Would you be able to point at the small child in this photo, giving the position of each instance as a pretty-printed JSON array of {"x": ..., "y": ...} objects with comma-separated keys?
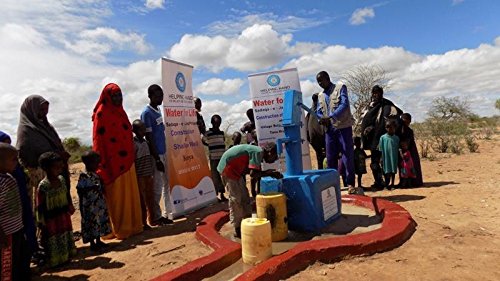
[
  {"x": 145, "y": 173},
  {"x": 249, "y": 126},
  {"x": 407, "y": 171},
  {"x": 93, "y": 209},
  {"x": 389, "y": 147},
  {"x": 53, "y": 211},
  {"x": 214, "y": 139},
  {"x": 254, "y": 140},
  {"x": 359, "y": 160},
  {"x": 14, "y": 251},
  {"x": 236, "y": 138}
]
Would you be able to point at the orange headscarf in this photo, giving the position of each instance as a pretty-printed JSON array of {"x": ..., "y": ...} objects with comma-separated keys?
[{"x": 112, "y": 136}]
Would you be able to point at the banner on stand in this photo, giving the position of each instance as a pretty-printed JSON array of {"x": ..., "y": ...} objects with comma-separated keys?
[
  {"x": 266, "y": 91},
  {"x": 191, "y": 186}
]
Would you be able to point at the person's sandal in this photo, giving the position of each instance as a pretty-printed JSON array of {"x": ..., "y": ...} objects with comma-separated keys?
[{"x": 351, "y": 190}]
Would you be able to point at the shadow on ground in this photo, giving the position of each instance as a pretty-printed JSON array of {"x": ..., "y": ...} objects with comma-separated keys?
[
  {"x": 401, "y": 198},
  {"x": 88, "y": 260},
  {"x": 439, "y": 183}
]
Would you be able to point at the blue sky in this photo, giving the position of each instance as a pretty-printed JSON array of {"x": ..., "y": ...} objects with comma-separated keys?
[{"x": 69, "y": 51}]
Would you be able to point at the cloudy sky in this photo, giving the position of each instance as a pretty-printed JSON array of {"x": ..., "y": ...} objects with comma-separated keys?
[{"x": 68, "y": 50}]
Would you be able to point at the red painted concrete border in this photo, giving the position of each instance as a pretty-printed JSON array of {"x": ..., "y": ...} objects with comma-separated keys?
[
  {"x": 226, "y": 252},
  {"x": 397, "y": 227}
]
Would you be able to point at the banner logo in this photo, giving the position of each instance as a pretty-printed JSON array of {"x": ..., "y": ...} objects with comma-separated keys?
[
  {"x": 273, "y": 80},
  {"x": 180, "y": 82}
]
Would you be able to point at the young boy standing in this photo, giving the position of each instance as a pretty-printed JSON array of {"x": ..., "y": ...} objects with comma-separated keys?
[
  {"x": 14, "y": 256},
  {"x": 145, "y": 171},
  {"x": 215, "y": 140},
  {"x": 155, "y": 134}
]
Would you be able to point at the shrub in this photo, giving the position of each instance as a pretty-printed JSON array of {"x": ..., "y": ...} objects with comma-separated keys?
[
  {"x": 472, "y": 145},
  {"x": 75, "y": 148}
]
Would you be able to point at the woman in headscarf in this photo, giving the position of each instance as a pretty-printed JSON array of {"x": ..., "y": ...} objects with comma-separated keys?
[
  {"x": 373, "y": 127},
  {"x": 112, "y": 138},
  {"x": 35, "y": 136}
]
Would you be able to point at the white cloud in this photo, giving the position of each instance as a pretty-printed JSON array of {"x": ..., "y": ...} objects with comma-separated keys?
[
  {"x": 155, "y": 4},
  {"x": 74, "y": 24},
  {"x": 309, "y": 87},
  {"x": 202, "y": 51},
  {"x": 35, "y": 61},
  {"x": 456, "y": 2},
  {"x": 96, "y": 43},
  {"x": 71, "y": 83},
  {"x": 416, "y": 79},
  {"x": 282, "y": 24},
  {"x": 304, "y": 48},
  {"x": 257, "y": 47},
  {"x": 359, "y": 16},
  {"x": 216, "y": 86},
  {"x": 336, "y": 59},
  {"x": 57, "y": 19},
  {"x": 233, "y": 115}
]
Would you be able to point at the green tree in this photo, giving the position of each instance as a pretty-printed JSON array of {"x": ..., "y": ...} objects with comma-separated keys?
[{"x": 497, "y": 104}]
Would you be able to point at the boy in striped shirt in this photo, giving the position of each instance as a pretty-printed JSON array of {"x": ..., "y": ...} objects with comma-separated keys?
[
  {"x": 14, "y": 252},
  {"x": 215, "y": 140}
]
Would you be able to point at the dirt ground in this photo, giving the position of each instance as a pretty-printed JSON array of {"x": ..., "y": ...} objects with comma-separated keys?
[{"x": 457, "y": 236}]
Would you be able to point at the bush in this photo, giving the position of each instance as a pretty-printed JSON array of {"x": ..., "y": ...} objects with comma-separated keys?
[
  {"x": 472, "y": 145},
  {"x": 486, "y": 133},
  {"x": 75, "y": 148},
  {"x": 441, "y": 135},
  {"x": 71, "y": 144},
  {"x": 446, "y": 135},
  {"x": 422, "y": 138}
]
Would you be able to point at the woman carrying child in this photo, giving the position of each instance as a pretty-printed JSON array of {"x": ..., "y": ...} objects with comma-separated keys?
[
  {"x": 407, "y": 133},
  {"x": 389, "y": 147},
  {"x": 95, "y": 219},
  {"x": 53, "y": 211}
]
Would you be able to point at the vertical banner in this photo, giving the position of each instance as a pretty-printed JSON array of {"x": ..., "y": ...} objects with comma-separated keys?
[
  {"x": 266, "y": 91},
  {"x": 191, "y": 186}
]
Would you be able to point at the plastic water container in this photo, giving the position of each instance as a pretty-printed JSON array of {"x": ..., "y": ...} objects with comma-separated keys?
[
  {"x": 272, "y": 206},
  {"x": 256, "y": 242}
]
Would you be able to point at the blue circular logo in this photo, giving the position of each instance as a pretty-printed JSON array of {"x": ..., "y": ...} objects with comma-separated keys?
[
  {"x": 273, "y": 80},
  {"x": 180, "y": 82}
]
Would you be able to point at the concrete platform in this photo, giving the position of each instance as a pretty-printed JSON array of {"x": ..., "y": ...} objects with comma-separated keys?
[
  {"x": 354, "y": 220},
  {"x": 383, "y": 225}
]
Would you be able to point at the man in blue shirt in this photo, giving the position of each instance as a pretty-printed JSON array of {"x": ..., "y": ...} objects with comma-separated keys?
[
  {"x": 155, "y": 134},
  {"x": 334, "y": 113}
]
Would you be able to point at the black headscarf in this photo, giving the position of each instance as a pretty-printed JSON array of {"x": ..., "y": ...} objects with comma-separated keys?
[
  {"x": 34, "y": 135},
  {"x": 376, "y": 116}
]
